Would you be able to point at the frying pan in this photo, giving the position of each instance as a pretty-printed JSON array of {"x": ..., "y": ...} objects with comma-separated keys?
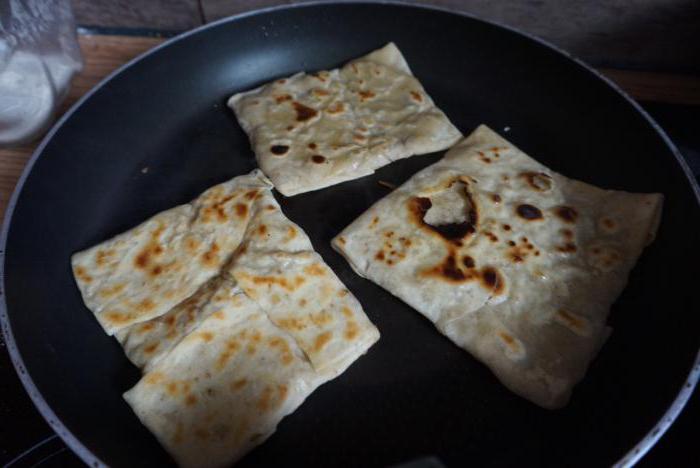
[{"x": 415, "y": 393}]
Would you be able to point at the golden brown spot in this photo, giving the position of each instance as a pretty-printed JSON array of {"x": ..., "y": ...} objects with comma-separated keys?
[
  {"x": 290, "y": 128},
  {"x": 210, "y": 257},
  {"x": 142, "y": 259},
  {"x": 170, "y": 320},
  {"x": 569, "y": 247},
  {"x": 272, "y": 280},
  {"x": 219, "y": 314},
  {"x": 304, "y": 113},
  {"x": 283, "y": 98},
  {"x": 146, "y": 305},
  {"x": 285, "y": 352},
  {"x": 511, "y": 343},
  {"x": 102, "y": 257},
  {"x": 318, "y": 159},
  {"x": 282, "y": 81},
  {"x": 380, "y": 255},
  {"x": 365, "y": 95},
  {"x": 270, "y": 208},
  {"x": 232, "y": 346},
  {"x": 566, "y": 214},
  {"x": 112, "y": 291},
  {"x": 507, "y": 338},
  {"x": 312, "y": 146},
  {"x": 191, "y": 244},
  {"x": 321, "y": 340},
  {"x": 262, "y": 229},
  {"x": 279, "y": 150},
  {"x": 155, "y": 235},
  {"x": 483, "y": 157},
  {"x": 315, "y": 269},
  {"x": 351, "y": 330},
  {"x": 320, "y": 92},
  {"x": 539, "y": 181},
  {"x": 449, "y": 271},
  {"x": 282, "y": 392},
  {"x": 578, "y": 324},
  {"x": 206, "y": 336},
  {"x": 506, "y": 227},
  {"x": 298, "y": 280},
  {"x": 82, "y": 274},
  {"x": 251, "y": 194},
  {"x": 154, "y": 378},
  {"x": 529, "y": 212},
  {"x": 265, "y": 401},
  {"x": 416, "y": 96},
  {"x": 335, "y": 108},
  {"x": 320, "y": 319},
  {"x": 241, "y": 210},
  {"x": 157, "y": 270},
  {"x": 238, "y": 384},
  {"x": 190, "y": 400},
  {"x": 151, "y": 348},
  {"x": 172, "y": 388},
  {"x": 292, "y": 323},
  {"x": 492, "y": 279},
  {"x": 146, "y": 327}
]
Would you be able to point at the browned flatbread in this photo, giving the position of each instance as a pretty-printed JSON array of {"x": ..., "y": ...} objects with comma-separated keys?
[{"x": 513, "y": 262}]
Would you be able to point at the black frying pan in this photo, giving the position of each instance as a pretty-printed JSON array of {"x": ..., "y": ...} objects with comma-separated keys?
[{"x": 415, "y": 393}]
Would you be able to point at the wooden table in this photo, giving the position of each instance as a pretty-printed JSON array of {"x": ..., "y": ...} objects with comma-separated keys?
[{"x": 103, "y": 54}]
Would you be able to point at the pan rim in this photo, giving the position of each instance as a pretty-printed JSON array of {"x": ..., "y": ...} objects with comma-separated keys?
[{"x": 630, "y": 458}]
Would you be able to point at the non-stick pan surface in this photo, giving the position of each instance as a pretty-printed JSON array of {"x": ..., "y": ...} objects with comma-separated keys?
[{"x": 415, "y": 393}]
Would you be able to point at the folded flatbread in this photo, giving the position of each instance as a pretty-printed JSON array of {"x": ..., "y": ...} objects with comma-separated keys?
[
  {"x": 276, "y": 266},
  {"x": 310, "y": 131},
  {"x": 151, "y": 268},
  {"x": 224, "y": 388},
  {"x": 513, "y": 262},
  {"x": 227, "y": 362}
]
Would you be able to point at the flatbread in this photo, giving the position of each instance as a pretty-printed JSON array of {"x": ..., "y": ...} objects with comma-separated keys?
[
  {"x": 224, "y": 364},
  {"x": 146, "y": 271},
  {"x": 145, "y": 343},
  {"x": 224, "y": 388},
  {"x": 513, "y": 262},
  {"x": 311, "y": 131},
  {"x": 278, "y": 268}
]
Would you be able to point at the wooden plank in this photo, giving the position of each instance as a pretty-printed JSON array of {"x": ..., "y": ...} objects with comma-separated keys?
[
  {"x": 176, "y": 15},
  {"x": 103, "y": 54},
  {"x": 639, "y": 34},
  {"x": 657, "y": 87}
]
